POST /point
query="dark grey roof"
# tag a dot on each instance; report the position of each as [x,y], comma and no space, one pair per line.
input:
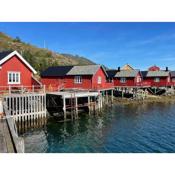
[172,73]
[4,54]
[84,70]
[127,73]
[111,73]
[144,73]
[56,71]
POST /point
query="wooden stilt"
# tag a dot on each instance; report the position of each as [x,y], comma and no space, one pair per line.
[76,107]
[112,96]
[64,107]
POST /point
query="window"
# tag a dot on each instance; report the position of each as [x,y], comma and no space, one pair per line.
[173,79]
[99,80]
[109,80]
[156,80]
[14,78]
[138,80]
[123,80]
[78,79]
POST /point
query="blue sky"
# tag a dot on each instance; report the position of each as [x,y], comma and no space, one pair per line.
[111,44]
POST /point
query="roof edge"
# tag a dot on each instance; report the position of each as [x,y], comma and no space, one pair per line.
[21,58]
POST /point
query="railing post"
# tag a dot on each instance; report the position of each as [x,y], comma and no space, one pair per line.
[44,88]
[9,89]
[22,89]
[32,88]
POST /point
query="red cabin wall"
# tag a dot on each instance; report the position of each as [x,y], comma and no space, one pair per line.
[130,81]
[104,84]
[88,81]
[52,82]
[67,82]
[163,81]
[15,64]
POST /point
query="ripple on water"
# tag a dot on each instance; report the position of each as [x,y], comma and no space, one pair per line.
[130,128]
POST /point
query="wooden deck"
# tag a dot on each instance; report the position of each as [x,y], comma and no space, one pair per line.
[6,144]
[68,94]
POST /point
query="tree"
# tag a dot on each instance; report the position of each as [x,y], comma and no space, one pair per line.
[17,39]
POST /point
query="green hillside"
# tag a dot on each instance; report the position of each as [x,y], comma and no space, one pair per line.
[40,58]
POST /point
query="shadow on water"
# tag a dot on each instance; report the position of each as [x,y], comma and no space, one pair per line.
[147,127]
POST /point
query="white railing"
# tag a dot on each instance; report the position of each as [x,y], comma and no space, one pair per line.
[19,89]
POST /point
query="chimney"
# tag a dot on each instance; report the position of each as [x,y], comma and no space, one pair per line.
[118,69]
[166,69]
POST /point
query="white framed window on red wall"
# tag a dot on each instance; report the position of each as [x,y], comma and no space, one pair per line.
[78,79]
[99,80]
[122,80]
[14,77]
[157,79]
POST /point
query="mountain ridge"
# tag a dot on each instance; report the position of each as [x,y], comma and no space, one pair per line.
[40,58]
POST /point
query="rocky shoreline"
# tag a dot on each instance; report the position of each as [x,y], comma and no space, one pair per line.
[149,99]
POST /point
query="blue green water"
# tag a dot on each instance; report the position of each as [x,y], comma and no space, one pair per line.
[141,128]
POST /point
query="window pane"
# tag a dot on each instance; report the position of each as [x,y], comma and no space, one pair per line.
[10,77]
[17,77]
[13,77]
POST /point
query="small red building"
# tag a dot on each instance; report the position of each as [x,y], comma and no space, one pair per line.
[127,78]
[15,71]
[172,76]
[156,77]
[89,77]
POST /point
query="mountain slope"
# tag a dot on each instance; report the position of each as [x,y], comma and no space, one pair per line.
[40,58]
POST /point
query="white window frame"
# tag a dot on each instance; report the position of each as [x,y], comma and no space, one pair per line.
[14,75]
[78,79]
[99,80]
[123,80]
[156,79]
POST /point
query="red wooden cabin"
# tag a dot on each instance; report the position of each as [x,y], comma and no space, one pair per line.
[89,77]
[156,77]
[15,71]
[127,78]
[172,77]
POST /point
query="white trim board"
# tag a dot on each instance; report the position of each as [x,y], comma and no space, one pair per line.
[20,57]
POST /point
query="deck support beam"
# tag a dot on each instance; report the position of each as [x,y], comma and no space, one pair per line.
[76,106]
[64,107]
[112,96]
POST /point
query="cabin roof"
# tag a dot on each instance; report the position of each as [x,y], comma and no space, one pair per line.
[72,70]
[85,70]
[127,67]
[172,73]
[127,73]
[160,73]
[4,54]
[56,71]
[111,73]
[7,55]
[144,73]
